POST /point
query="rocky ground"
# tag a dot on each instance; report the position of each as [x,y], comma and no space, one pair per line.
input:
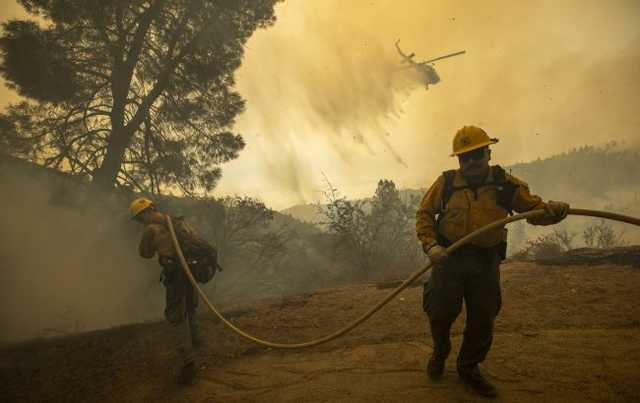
[567,333]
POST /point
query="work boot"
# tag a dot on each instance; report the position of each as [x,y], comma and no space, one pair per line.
[187,374]
[472,377]
[435,368]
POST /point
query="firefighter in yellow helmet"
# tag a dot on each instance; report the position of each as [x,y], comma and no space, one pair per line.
[459,202]
[181,301]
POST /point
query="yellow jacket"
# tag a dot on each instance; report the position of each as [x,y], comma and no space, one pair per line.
[466,212]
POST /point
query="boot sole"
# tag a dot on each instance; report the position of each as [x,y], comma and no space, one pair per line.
[471,387]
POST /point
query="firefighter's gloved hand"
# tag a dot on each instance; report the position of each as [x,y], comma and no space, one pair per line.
[557,210]
[437,254]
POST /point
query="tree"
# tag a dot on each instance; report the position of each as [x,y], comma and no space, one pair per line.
[376,235]
[135,93]
[602,235]
[348,223]
[548,245]
[392,223]
[242,228]
[249,240]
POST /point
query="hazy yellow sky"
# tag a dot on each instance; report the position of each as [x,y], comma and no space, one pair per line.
[325,95]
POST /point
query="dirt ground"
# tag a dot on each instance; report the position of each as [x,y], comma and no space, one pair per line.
[565,334]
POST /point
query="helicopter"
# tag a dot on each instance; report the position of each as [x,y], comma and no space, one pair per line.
[427,71]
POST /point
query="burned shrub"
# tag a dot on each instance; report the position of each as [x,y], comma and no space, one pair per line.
[546,246]
[603,235]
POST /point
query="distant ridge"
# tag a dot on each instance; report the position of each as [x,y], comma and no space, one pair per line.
[587,175]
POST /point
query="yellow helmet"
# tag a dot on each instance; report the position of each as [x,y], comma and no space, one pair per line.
[470,138]
[139,205]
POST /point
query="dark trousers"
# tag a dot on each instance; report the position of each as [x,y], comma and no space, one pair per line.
[475,278]
[180,309]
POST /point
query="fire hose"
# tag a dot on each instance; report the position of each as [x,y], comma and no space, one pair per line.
[391,295]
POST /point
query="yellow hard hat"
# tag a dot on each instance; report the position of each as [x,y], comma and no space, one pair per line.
[470,138]
[139,205]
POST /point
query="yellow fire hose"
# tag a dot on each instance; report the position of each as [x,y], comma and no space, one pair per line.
[405,284]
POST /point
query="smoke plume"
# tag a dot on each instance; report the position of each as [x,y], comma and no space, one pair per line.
[67,269]
[325,92]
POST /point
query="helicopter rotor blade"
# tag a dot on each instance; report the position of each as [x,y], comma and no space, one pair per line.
[444,57]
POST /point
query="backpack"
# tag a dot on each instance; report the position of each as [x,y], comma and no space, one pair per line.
[201,256]
[506,189]
[506,193]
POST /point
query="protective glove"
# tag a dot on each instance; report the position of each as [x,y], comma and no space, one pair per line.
[557,210]
[437,254]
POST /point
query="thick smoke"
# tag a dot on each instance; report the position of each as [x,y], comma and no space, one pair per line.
[325,94]
[67,269]
[69,260]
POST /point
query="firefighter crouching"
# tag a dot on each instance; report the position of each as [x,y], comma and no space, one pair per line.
[458,203]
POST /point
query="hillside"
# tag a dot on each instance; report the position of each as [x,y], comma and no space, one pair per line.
[565,333]
[589,176]
[310,213]
[594,175]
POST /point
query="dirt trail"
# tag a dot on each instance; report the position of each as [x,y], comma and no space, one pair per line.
[565,333]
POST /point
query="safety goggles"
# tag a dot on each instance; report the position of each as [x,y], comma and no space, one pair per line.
[474,155]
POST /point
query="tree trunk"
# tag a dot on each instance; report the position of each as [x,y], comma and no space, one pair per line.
[105,176]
